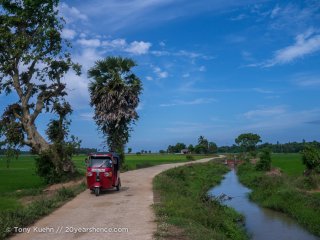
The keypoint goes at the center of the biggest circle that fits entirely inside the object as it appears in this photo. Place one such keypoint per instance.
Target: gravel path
(130, 208)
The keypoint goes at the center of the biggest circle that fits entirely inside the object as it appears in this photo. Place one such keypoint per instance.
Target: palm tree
(114, 94)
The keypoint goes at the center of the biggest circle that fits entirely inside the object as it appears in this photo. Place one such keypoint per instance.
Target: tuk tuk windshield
(100, 162)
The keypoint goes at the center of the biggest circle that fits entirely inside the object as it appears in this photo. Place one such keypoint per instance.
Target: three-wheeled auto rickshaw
(103, 172)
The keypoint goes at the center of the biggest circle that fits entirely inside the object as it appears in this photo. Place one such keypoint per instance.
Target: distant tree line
(77, 151)
(203, 147)
(290, 147)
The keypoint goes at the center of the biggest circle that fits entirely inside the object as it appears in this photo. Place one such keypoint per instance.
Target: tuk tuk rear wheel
(97, 191)
(119, 185)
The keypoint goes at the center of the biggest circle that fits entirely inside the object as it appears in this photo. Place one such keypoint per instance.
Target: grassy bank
(28, 214)
(286, 193)
(183, 209)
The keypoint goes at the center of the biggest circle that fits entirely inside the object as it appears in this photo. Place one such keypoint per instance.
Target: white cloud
(68, 33)
(149, 78)
(89, 42)
(118, 43)
(138, 47)
(192, 102)
(160, 73)
(77, 86)
(71, 14)
(305, 44)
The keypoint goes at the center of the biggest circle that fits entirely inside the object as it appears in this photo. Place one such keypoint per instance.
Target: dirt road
(130, 208)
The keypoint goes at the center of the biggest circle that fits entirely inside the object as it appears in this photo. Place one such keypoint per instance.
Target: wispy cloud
(181, 53)
(87, 116)
(160, 73)
(283, 120)
(307, 80)
(190, 87)
(305, 44)
(191, 102)
(119, 15)
(117, 45)
(265, 112)
(138, 48)
(71, 14)
(68, 33)
(89, 42)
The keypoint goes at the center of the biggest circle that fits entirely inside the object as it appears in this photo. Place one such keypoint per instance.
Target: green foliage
(191, 148)
(45, 167)
(55, 163)
(264, 163)
(212, 148)
(184, 203)
(176, 148)
(24, 216)
(189, 157)
(248, 142)
(114, 94)
(311, 158)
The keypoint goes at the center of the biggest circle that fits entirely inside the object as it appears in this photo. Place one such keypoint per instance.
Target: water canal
(260, 223)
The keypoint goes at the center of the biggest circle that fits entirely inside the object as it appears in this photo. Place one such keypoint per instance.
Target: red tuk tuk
(103, 172)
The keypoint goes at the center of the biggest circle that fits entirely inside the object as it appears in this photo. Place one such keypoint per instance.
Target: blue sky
(213, 68)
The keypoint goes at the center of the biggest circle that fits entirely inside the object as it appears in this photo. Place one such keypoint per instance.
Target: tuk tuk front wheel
(97, 191)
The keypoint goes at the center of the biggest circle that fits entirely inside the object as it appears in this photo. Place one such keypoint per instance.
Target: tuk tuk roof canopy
(113, 154)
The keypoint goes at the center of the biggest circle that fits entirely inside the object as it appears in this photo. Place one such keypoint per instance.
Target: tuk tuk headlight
(89, 174)
(108, 174)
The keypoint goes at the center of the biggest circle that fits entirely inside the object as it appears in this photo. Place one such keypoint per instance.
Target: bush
(264, 164)
(311, 158)
(50, 173)
(46, 169)
(189, 157)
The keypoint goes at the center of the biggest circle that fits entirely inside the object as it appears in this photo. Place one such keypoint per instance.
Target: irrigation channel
(260, 223)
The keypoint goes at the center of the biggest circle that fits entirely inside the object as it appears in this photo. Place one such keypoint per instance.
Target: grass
(289, 163)
(286, 193)
(25, 216)
(21, 180)
(184, 210)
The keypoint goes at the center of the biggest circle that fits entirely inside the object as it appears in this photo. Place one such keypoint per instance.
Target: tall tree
(248, 141)
(33, 59)
(114, 94)
(202, 146)
(212, 148)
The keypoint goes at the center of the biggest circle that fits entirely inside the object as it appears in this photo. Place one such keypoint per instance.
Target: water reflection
(260, 223)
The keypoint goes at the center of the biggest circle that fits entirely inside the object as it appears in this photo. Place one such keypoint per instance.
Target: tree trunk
(39, 145)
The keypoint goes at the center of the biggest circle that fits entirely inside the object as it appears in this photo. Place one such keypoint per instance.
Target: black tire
(97, 191)
(119, 185)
